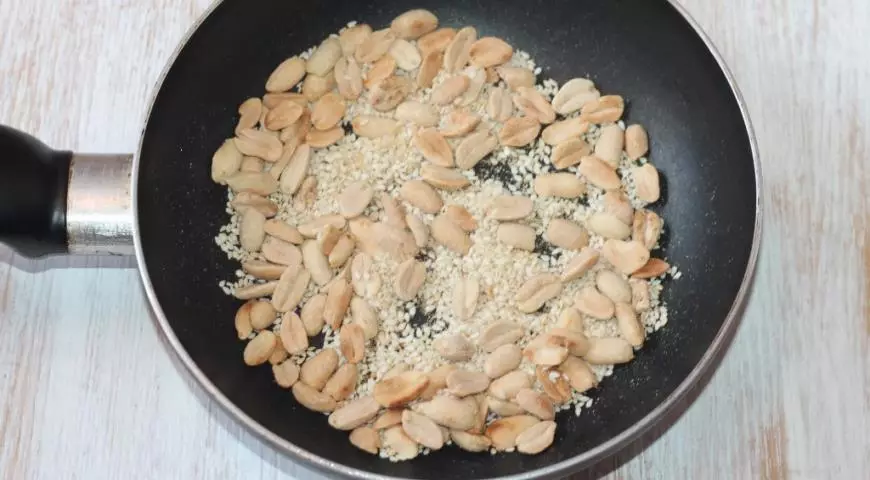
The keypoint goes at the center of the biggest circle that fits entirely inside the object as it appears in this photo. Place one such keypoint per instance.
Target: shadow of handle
(54, 202)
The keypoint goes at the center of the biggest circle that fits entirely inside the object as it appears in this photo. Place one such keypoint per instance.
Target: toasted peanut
(502, 360)
(389, 93)
(313, 400)
(506, 387)
(354, 413)
(490, 52)
(517, 235)
(286, 75)
(366, 439)
(655, 267)
(409, 279)
(533, 104)
(639, 295)
(418, 229)
(566, 234)
(421, 195)
(578, 373)
(434, 147)
(508, 207)
(516, 77)
(226, 161)
(627, 257)
(574, 94)
(465, 295)
(418, 113)
(613, 286)
(286, 374)
(564, 131)
(450, 235)
(368, 126)
(500, 106)
(401, 389)
(599, 173)
(535, 403)
(465, 382)
(504, 432)
(259, 349)
(498, 334)
(519, 131)
(606, 109)
(450, 89)
(380, 71)
(443, 178)
(244, 329)
(292, 332)
(503, 408)
(451, 412)
(571, 319)
(554, 384)
(353, 343)
(536, 438)
(459, 122)
(437, 380)
(608, 226)
(536, 291)
(436, 42)
(562, 185)
(317, 370)
(603, 351)
(375, 46)
(458, 51)
(429, 68)
(338, 296)
(422, 430)
(540, 351)
(291, 287)
(407, 56)
(262, 314)
(475, 148)
(591, 302)
(636, 142)
(629, 326)
(414, 23)
(455, 347)
(646, 181)
(400, 444)
(388, 419)
(342, 383)
(609, 146)
(469, 441)
(364, 316)
(348, 78)
(256, 290)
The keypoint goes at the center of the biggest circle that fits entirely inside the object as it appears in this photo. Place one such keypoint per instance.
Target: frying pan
(163, 202)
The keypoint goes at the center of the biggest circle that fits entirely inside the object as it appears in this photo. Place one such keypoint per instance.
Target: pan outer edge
(587, 459)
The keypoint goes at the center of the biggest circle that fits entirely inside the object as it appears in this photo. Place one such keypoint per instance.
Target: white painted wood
(88, 391)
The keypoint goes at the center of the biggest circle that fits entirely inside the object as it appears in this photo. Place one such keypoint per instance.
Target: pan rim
(586, 459)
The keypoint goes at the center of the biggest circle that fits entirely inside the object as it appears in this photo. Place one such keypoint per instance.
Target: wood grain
(88, 391)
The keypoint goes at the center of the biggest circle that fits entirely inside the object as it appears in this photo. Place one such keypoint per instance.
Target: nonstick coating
(642, 49)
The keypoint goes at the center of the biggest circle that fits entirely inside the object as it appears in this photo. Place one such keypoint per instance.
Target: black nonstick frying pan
(648, 51)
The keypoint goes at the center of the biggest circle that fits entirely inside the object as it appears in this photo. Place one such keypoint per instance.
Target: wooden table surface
(88, 391)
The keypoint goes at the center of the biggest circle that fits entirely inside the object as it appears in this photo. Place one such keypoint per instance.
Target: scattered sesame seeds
(407, 330)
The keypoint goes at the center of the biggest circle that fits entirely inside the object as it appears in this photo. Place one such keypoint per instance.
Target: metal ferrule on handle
(99, 215)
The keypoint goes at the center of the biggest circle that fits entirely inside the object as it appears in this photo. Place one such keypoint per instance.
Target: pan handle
(57, 202)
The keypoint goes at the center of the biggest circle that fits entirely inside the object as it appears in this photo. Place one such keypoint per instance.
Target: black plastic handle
(34, 180)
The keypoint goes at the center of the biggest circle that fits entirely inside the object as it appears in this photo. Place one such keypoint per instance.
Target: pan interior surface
(641, 49)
